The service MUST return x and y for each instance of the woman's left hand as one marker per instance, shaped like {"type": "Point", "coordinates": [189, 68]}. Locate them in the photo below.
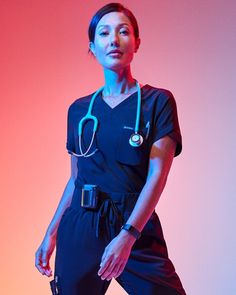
{"type": "Point", "coordinates": [116, 255]}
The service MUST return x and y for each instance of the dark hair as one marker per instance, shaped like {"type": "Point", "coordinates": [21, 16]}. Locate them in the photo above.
{"type": "Point", "coordinates": [107, 9]}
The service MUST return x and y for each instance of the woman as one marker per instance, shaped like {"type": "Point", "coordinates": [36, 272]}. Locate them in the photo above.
{"type": "Point", "coordinates": [118, 171]}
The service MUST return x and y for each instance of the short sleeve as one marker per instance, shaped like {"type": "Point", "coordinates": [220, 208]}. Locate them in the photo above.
{"type": "Point", "coordinates": [166, 120]}
{"type": "Point", "coordinates": [70, 143]}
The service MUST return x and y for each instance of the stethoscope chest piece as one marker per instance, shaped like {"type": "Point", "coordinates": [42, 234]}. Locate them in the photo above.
{"type": "Point", "coordinates": [136, 140]}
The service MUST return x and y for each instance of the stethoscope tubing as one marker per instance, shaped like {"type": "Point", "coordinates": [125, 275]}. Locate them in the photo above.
{"type": "Point", "coordinates": [89, 116]}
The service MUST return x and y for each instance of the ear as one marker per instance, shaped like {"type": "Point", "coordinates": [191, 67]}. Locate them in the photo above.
{"type": "Point", "coordinates": [137, 44]}
{"type": "Point", "coordinates": [92, 48]}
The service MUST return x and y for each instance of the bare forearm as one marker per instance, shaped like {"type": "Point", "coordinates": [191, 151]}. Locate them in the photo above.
{"type": "Point", "coordinates": [63, 204]}
{"type": "Point", "coordinates": [161, 157]}
{"type": "Point", "coordinates": [147, 201]}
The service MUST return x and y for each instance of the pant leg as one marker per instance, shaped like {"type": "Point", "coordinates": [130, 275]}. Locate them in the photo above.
{"type": "Point", "coordinates": [149, 269]}
{"type": "Point", "coordinates": [78, 255]}
{"type": "Point", "coordinates": [135, 285]}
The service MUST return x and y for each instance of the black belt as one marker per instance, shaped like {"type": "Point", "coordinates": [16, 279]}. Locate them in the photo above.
{"type": "Point", "coordinates": [110, 211]}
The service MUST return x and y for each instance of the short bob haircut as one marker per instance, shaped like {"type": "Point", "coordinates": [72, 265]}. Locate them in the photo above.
{"type": "Point", "coordinates": [111, 7]}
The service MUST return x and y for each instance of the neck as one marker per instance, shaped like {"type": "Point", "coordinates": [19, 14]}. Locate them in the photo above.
{"type": "Point", "coordinates": [118, 82]}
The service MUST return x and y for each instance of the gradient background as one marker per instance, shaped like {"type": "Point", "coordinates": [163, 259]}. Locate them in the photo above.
{"type": "Point", "coordinates": [188, 47]}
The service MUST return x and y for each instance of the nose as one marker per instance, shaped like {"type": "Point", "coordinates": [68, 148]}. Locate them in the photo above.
{"type": "Point", "coordinates": [115, 39]}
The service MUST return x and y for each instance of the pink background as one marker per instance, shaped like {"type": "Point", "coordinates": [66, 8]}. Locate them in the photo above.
{"type": "Point", "coordinates": [188, 47]}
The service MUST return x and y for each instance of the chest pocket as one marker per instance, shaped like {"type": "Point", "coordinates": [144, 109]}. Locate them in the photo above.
{"type": "Point", "coordinates": [127, 154]}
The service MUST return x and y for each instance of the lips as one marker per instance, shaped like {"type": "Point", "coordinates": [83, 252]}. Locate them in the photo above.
{"type": "Point", "coordinates": [115, 51]}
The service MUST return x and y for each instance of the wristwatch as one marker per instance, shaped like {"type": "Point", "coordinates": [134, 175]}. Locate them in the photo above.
{"type": "Point", "coordinates": [131, 229]}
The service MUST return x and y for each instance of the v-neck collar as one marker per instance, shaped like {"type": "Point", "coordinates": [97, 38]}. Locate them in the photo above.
{"type": "Point", "coordinates": [122, 103]}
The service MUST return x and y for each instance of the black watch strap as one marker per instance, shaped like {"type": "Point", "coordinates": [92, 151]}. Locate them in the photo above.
{"type": "Point", "coordinates": [131, 229]}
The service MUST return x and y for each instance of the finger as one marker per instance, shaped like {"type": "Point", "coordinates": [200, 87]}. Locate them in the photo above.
{"type": "Point", "coordinates": [104, 266]}
{"type": "Point", "coordinates": [38, 262]}
{"type": "Point", "coordinates": [44, 263]}
{"type": "Point", "coordinates": [108, 271]}
{"type": "Point", "coordinates": [104, 255]}
{"type": "Point", "coordinates": [40, 269]}
{"type": "Point", "coordinates": [104, 262]}
{"type": "Point", "coordinates": [48, 272]}
{"type": "Point", "coordinates": [44, 259]}
{"type": "Point", "coordinates": [120, 270]}
{"type": "Point", "coordinates": [114, 271]}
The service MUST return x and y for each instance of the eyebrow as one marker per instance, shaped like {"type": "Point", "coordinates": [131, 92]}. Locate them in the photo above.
{"type": "Point", "coordinates": [121, 24]}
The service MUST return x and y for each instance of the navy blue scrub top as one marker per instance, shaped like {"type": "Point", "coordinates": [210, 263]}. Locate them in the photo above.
{"type": "Point", "coordinates": [117, 166]}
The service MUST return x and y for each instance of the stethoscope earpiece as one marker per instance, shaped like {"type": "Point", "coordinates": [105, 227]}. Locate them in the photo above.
{"type": "Point", "coordinates": [136, 140]}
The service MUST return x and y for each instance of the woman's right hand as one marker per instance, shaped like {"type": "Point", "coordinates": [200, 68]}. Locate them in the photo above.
{"type": "Point", "coordinates": [43, 254]}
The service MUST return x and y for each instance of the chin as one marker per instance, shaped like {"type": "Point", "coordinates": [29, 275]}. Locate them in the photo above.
{"type": "Point", "coordinates": [116, 65]}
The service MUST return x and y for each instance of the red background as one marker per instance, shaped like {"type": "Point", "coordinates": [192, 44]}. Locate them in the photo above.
{"type": "Point", "coordinates": [188, 47]}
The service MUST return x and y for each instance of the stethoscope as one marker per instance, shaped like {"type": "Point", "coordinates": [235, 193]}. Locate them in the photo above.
{"type": "Point", "coordinates": [135, 140]}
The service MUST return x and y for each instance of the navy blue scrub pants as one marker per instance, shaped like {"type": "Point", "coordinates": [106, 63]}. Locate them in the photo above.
{"type": "Point", "coordinates": [82, 237]}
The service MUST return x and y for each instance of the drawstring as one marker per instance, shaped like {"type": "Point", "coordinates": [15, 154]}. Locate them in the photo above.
{"type": "Point", "coordinates": [110, 215]}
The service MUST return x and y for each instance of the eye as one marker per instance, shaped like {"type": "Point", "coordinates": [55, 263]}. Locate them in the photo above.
{"type": "Point", "coordinates": [125, 32]}
{"type": "Point", "coordinates": [103, 33]}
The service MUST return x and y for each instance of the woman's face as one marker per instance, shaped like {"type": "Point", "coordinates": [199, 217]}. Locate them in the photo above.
{"type": "Point", "coordinates": [114, 31]}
